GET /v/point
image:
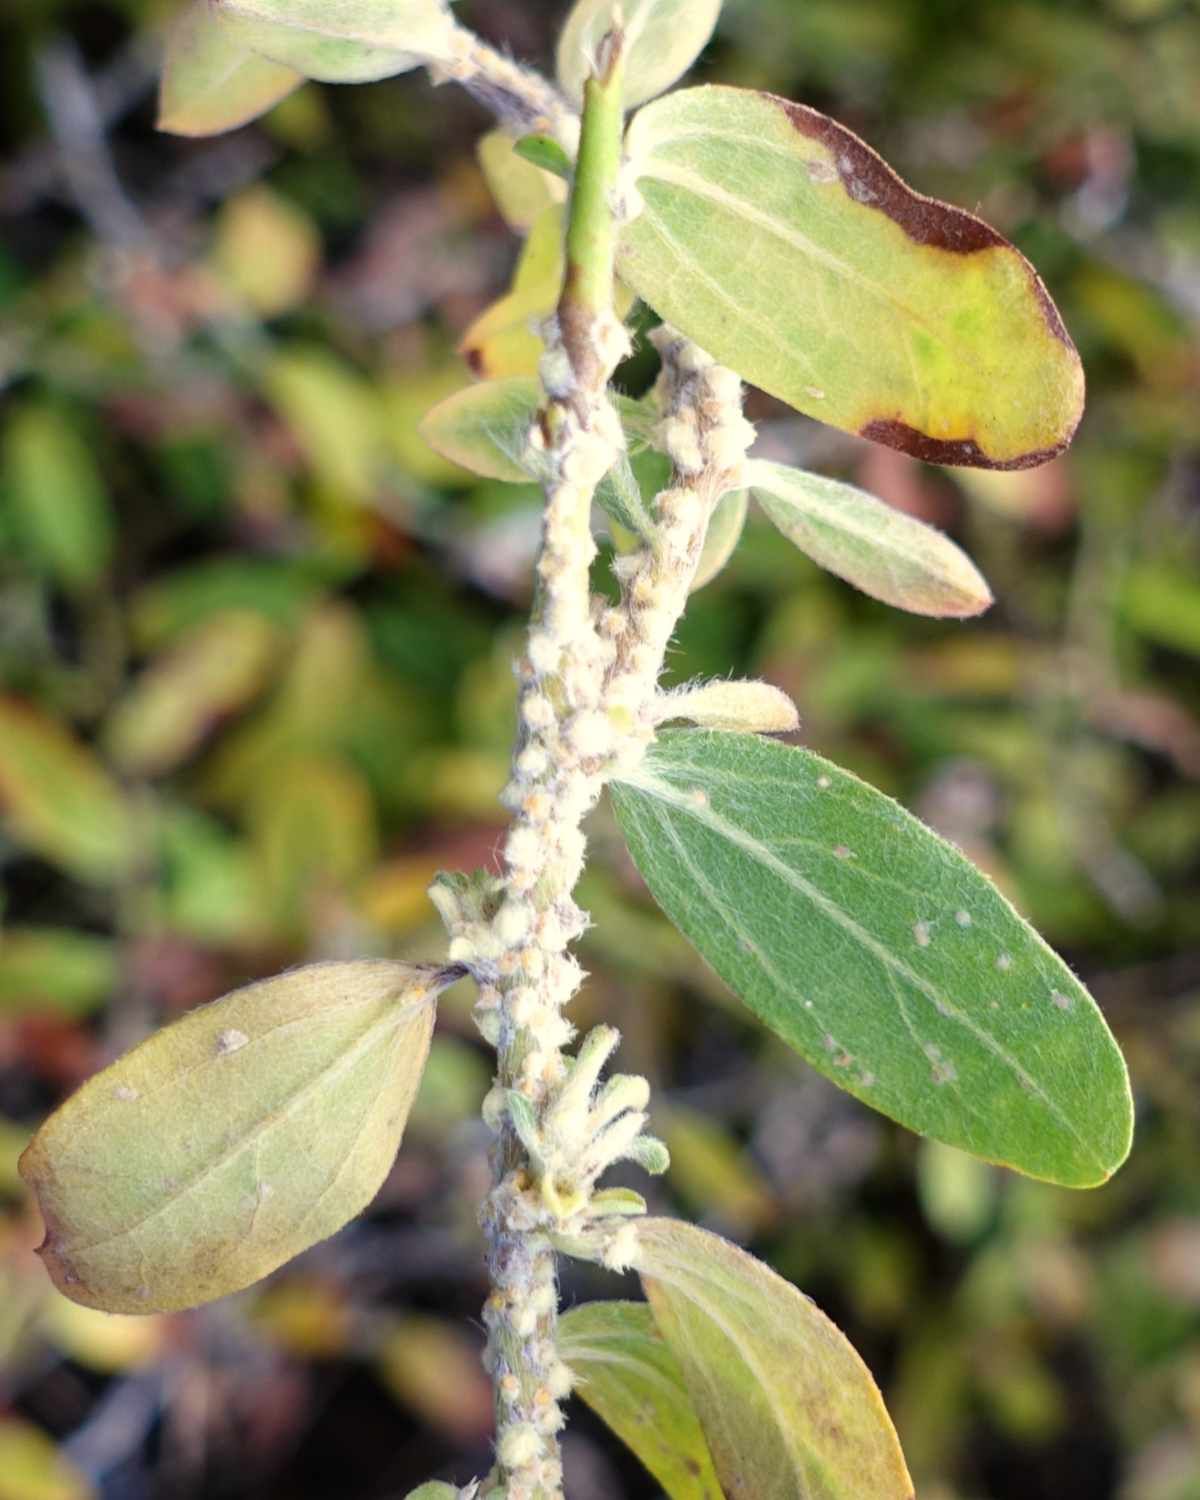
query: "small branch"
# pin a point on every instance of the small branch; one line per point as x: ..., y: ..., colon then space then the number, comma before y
x: 516, y: 938
x: 706, y: 437
x: 77, y: 124
x: 586, y: 708
x: 523, y: 102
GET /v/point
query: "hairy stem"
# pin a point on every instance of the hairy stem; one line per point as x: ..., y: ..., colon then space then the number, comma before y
x: 522, y: 100
x: 588, y: 682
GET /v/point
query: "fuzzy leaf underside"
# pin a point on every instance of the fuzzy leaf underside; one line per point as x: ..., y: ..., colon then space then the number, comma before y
x: 632, y: 1381
x: 789, y: 250
x: 878, y: 952
x: 789, y: 1410
x: 233, y: 1139
x: 878, y: 549
x: 663, y: 38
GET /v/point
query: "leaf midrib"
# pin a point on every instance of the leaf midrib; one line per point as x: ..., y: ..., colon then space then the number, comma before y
x: 378, y: 1029
x: 654, y: 786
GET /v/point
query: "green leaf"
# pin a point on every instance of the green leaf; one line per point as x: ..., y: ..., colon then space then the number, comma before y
x: 210, y: 81
x: 334, y: 414
x: 434, y: 1490
x: 234, y: 1138
x: 632, y: 1381
x: 218, y: 668
x: 545, y: 152
x: 485, y: 427
x: 56, y: 495
x: 725, y: 527
x: 54, y: 969
x: 354, y: 41
x: 882, y: 551
x: 313, y: 822
x: 878, y: 952
x: 521, y: 189
x: 663, y: 38
x: 789, y: 1410
x: 785, y: 247
x: 58, y: 799
x: 1161, y: 601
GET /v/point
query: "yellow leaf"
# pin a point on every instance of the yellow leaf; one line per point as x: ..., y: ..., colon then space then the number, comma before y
x: 31, y: 1467
x: 266, y: 250
x: 502, y: 340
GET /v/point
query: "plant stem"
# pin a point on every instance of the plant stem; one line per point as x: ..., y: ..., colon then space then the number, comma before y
x: 524, y: 102
x: 587, y: 687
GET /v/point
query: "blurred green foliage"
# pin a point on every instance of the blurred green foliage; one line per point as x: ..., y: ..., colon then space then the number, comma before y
x: 254, y: 648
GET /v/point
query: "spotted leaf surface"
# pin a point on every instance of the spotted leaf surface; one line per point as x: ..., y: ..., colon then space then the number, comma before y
x: 791, y: 252
x: 632, y: 1381
x: 878, y: 952
x: 234, y: 1138
x: 789, y: 1410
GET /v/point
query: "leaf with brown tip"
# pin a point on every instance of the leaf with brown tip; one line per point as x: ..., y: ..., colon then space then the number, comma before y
x: 787, y: 248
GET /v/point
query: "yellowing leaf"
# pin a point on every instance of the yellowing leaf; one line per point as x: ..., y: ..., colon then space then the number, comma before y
x: 102, y: 1341
x: 633, y: 1382
x: 267, y: 250
x: 31, y: 1467
x: 57, y: 798
x: 663, y: 38
x: 879, y: 549
x: 789, y: 1410
x: 213, y: 671
x: 502, y: 340
x: 333, y: 414
x: 521, y: 190
x: 56, y: 495
x: 210, y: 81
x: 434, y: 1490
x: 485, y: 427
x: 433, y: 1367
x: 785, y: 247
x: 234, y: 1138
